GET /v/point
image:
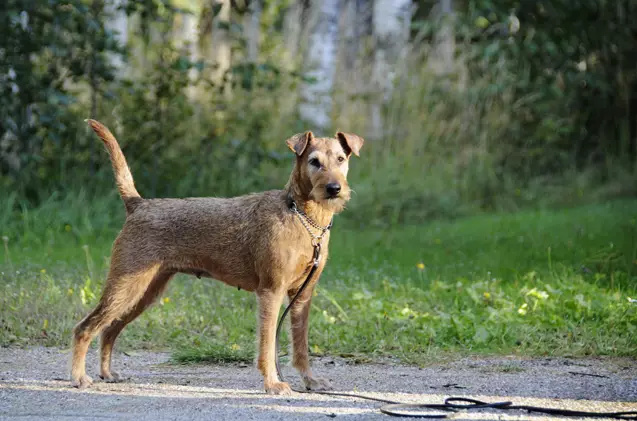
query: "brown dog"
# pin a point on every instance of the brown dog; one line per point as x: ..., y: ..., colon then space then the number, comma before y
x: 256, y: 242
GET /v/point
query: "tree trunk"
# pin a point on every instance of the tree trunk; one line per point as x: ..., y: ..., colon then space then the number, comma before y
x: 187, y: 40
x: 220, y: 52
x: 355, y: 66
x: 117, y: 21
x: 296, y: 29
x: 252, y: 19
x: 392, y: 21
x: 316, y: 97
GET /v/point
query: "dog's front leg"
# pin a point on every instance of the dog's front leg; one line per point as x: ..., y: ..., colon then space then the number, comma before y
x: 300, y: 315
x: 269, y: 305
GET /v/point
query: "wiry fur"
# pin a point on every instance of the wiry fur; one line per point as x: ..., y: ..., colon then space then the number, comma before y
x: 253, y: 242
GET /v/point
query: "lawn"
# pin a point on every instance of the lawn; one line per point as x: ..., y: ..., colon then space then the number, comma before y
x: 554, y: 282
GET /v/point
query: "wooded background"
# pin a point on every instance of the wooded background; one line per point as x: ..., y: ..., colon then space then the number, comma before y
x: 466, y: 105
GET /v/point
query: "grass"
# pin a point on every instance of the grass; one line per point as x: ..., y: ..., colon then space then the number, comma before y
x: 533, y: 283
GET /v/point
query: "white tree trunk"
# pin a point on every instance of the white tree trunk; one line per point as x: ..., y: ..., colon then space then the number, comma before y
x: 296, y: 31
x: 186, y: 32
x: 355, y: 64
x: 220, y: 52
x: 186, y: 39
x: 252, y: 29
x: 292, y: 29
x: 118, y: 23
x: 316, y: 99
x: 392, y: 21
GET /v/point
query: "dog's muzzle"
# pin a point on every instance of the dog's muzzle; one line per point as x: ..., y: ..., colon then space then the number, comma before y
x: 333, y: 189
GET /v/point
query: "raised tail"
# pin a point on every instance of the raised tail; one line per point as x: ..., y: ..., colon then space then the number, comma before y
x: 123, y: 176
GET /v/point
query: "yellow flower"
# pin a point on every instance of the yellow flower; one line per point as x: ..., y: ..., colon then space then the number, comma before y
x: 487, y: 295
x: 166, y: 300
x: 421, y: 266
x: 523, y: 309
x: 42, y: 270
x: 235, y: 347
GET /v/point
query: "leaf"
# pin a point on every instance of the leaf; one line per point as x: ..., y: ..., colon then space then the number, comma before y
x: 482, y: 335
x: 216, y: 9
x: 481, y: 22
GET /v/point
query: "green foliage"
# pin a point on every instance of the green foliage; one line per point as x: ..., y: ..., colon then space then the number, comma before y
x: 539, y: 116
x: 573, y: 72
x: 47, y: 50
x: 532, y: 283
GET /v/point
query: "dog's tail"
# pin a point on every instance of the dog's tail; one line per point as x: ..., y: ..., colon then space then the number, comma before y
x: 123, y: 176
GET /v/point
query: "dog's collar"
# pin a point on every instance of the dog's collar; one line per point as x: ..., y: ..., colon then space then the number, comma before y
x: 308, y: 222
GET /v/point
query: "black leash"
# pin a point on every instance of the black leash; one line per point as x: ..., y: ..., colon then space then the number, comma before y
x: 315, y: 265
x: 453, y: 404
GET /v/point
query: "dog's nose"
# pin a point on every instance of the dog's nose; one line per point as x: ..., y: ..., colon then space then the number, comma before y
x: 333, y: 189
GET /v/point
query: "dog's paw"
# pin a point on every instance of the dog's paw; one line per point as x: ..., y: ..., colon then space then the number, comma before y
x: 278, y: 388
x: 111, y: 377
x: 317, y: 383
x: 82, y: 382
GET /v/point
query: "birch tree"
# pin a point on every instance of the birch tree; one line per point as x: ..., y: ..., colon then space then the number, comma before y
x: 186, y: 38
x: 117, y: 22
x: 355, y: 65
x: 392, y: 21
x: 251, y: 25
x: 214, y: 37
x: 316, y: 98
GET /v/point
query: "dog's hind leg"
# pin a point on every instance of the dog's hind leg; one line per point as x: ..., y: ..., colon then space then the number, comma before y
x: 123, y: 290
x: 110, y: 334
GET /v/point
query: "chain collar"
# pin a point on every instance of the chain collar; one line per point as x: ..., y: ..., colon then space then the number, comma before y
x: 309, y: 223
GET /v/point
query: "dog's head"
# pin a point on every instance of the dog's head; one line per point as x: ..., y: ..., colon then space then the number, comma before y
x: 322, y: 164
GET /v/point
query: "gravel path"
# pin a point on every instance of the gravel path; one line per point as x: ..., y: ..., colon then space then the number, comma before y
x: 33, y: 386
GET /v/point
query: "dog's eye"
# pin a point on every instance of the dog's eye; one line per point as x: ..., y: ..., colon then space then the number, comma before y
x: 315, y: 162
x: 341, y: 159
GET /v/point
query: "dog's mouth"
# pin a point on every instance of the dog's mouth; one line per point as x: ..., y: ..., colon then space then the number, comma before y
x: 333, y: 202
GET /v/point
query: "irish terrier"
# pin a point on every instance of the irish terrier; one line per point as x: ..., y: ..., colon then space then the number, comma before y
x: 261, y: 242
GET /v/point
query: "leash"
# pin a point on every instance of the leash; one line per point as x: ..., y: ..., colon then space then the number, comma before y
x: 316, y: 259
x: 398, y: 409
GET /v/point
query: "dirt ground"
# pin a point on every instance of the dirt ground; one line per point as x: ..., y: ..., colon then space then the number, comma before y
x: 34, y: 386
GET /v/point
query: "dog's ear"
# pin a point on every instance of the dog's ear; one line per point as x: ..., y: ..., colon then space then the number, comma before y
x: 299, y: 142
x: 350, y: 143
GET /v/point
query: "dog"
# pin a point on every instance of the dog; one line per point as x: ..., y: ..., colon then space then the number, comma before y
x: 260, y: 242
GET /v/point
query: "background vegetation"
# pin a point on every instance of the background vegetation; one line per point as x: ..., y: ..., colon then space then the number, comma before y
x: 499, y: 115
x: 544, y: 113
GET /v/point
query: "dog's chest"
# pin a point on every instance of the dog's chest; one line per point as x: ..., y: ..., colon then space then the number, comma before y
x: 302, y: 260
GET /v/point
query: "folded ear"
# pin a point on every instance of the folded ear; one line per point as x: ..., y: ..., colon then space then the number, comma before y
x: 299, y: 142
x: 350, y: 142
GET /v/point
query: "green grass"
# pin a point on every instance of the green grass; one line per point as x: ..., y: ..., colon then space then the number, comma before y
x: 533, y: 283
